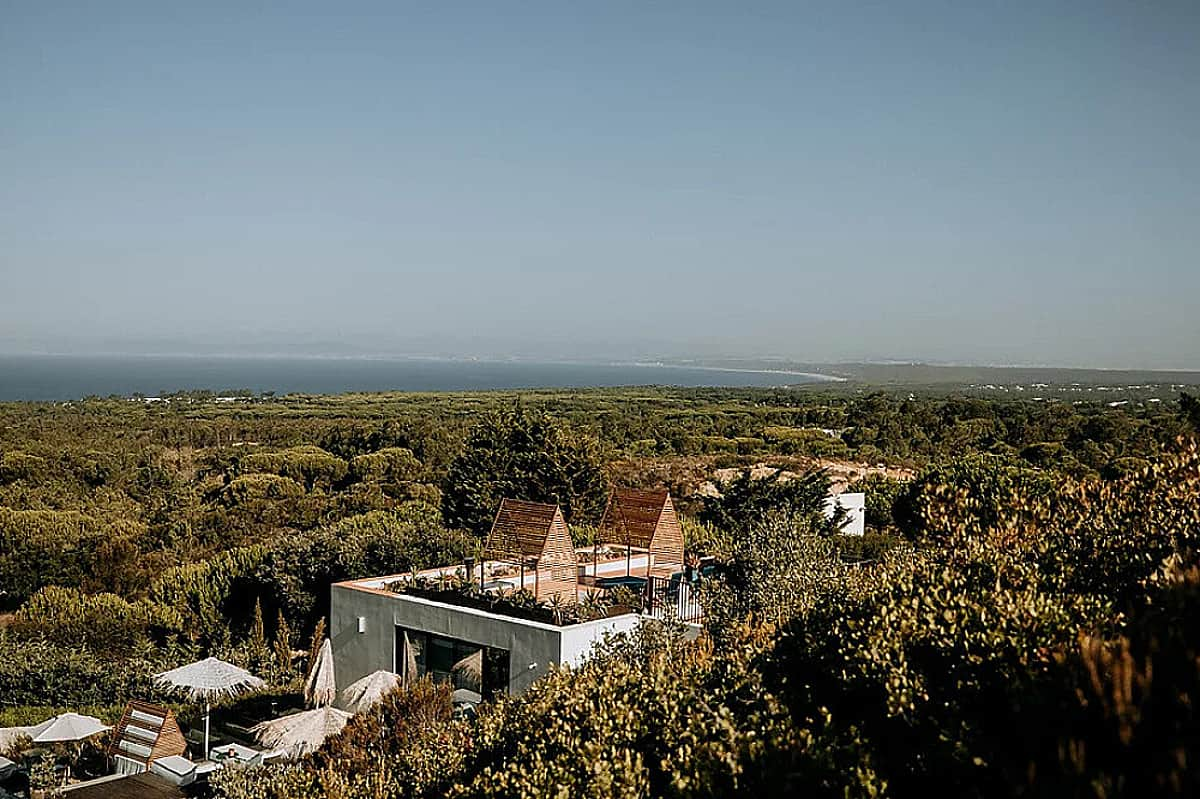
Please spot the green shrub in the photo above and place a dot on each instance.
(652, 715)
(38, 672)
(16, 465)
(390, 465)
(719, 444)
(102, 622)
(207, 594)
(778, 566)
(924, 658)
(300, 567)
(746, 499)
(880, 495)
(50, 547)
(310, 466)
(974, 493)
(870, 546)
(247, 488)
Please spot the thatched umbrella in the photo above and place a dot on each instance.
(300, 733)
(206, 680)
(465, 695)
(408, 664)
(364, 694)
(321, 688)
(470, 670)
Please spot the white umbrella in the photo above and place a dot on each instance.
(321, 689)
(10, 735)
(68, 727)
(7, 767)
(364, 694)
(206, 680)
(300, 733)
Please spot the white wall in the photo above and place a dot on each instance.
(578, 639)
(856, 510)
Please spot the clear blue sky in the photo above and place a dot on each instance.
(965, 181)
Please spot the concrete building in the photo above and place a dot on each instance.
(373, 628)
(426, 624)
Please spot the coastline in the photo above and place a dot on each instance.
(52, 378)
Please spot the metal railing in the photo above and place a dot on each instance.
(664, 597)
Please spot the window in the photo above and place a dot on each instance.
(479, 669)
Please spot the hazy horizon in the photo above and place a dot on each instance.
(937, 182)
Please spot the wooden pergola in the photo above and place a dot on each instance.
(144, 734)
(645, 522)
(534, 536)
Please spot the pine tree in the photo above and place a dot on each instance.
(283, 647)
(260, 653)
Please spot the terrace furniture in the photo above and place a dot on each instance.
(175, 769)
(205, 768)
(362, 695)
(236, 755)
(676, 582)
(320, 690)
(466, 696)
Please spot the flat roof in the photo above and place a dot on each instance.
(133, 786)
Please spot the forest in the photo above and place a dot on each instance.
(1019, 619)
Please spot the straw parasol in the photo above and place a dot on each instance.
(465, 695)
(300, 733)
(206, 680)
(364, 694)
(408, 664)
(469, 670)
(321, 689)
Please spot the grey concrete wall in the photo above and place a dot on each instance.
(355, 654)
(531, 646)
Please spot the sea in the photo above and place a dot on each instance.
(57, 378)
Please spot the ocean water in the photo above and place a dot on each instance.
(62, 377)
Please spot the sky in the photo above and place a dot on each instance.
(1008, 182)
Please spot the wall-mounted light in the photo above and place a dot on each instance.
(362, 624)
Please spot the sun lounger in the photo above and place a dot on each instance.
(236, 755)
(176, 769)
